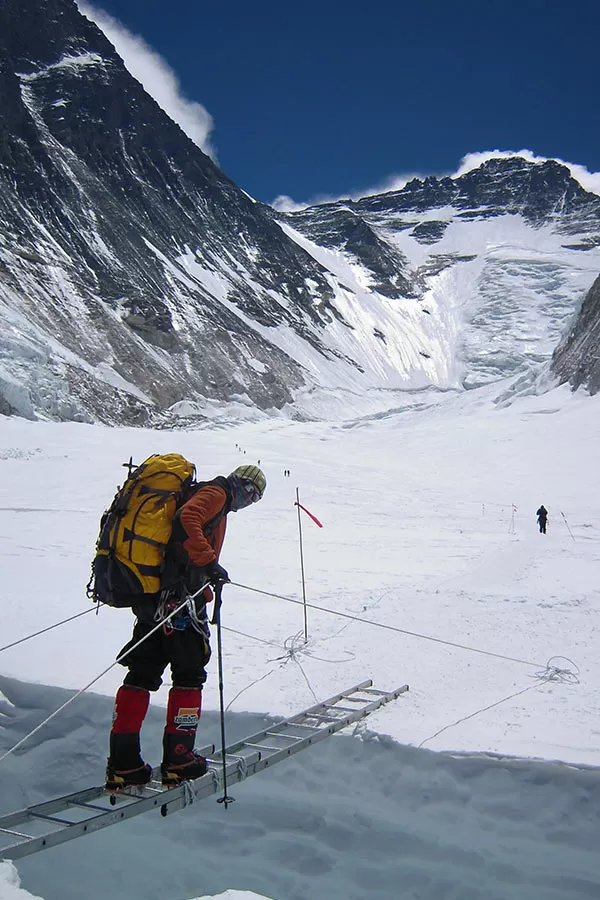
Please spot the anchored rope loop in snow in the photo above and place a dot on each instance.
(554, 672)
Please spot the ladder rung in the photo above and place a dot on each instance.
(90, 806)
(269, 749)
(325, 718)
(303, 725)
(282, 734)
(16, 833)
(56, 819)
(341, 708)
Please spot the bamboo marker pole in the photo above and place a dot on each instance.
(302, 566)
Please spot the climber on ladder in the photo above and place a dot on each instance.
(187, 568)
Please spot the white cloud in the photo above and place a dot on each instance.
(284, 203)
(590, 181)
(157, 78)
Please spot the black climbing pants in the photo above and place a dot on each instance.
(187, 652)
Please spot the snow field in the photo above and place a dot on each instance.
(429, 527)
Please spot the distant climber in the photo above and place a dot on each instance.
(542, 517)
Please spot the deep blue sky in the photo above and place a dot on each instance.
(326, 98)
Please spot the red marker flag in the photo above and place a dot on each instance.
(314, 518)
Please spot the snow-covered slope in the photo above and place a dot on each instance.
(480, 782)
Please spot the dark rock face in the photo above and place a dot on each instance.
(577, 358)
(337, 226)
(101, 195)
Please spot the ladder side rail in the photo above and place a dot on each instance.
(176, 798)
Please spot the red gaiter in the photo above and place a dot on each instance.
(131, 706)
(183, 710)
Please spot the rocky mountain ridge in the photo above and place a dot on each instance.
(139, 283)
(577, 357)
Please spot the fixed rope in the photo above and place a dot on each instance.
(49, 628)
(394, 628)
(98, 677)
(550, 673)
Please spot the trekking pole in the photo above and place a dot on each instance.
(216, 620)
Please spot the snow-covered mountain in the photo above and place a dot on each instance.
(138, 283)
(499, 257)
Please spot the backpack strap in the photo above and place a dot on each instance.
(176, 558)
(209, 527)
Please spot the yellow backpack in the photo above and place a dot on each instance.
(136, 528)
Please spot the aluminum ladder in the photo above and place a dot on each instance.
(56, 821)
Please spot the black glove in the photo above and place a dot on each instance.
(216, 573)
(196, 577)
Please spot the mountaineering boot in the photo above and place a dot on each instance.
(121, 779)
(125, 766)
(180, 760)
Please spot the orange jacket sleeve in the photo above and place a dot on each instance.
(194, 515)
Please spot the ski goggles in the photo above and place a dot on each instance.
(251, 491)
